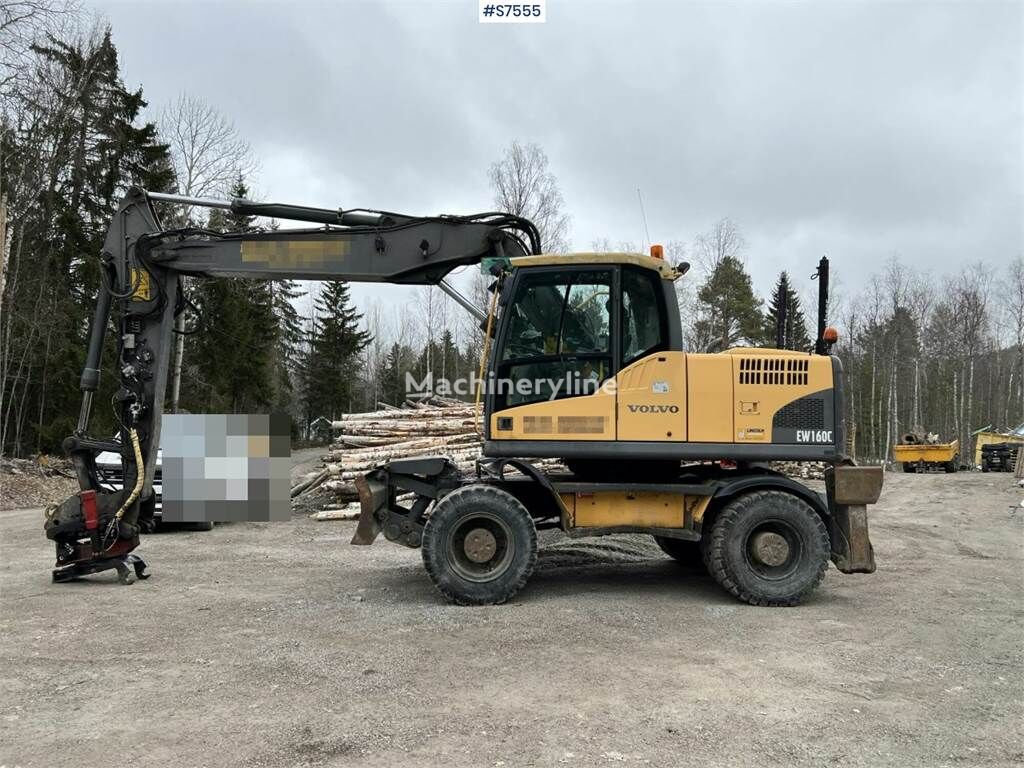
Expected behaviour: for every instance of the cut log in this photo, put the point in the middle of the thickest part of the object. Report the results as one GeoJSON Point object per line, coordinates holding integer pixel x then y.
{"type": "Point", "coordinates": [347, 512]}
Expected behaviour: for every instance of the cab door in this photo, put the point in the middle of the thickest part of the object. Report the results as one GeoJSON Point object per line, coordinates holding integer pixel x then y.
{"type": "Point", "coordinates": [651, 385]}
{"type": "Point", "coordinates": [555, 350]}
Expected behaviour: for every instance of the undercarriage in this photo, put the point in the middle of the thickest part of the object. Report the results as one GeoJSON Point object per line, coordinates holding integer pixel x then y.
{"type": "Point", "coordinates": [765, 537]}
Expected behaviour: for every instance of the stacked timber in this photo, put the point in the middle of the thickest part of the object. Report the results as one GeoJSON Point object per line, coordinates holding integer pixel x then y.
{"type": "Point", "coordinates": [364, 441]}
{"type": "Point", "coordinates": [805, 470]}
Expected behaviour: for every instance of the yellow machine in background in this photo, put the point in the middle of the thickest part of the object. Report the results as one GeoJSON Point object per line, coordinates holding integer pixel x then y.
{"type": "Point", "coordinates": [987, 437]}
{"type": "Point", "coordinates": [921, 457]}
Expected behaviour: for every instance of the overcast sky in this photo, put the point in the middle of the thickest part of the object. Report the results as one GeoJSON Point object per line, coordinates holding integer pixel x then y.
{"type": "Point", "coordinates": [859, 130]}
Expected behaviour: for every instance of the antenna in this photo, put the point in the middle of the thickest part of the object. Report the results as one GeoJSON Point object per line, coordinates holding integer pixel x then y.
{"type": "Point", "coordinates": [643, 215]}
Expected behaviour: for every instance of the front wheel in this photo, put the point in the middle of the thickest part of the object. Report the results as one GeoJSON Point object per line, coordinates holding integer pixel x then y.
{"type": "Point", "coordinates": [768, 548]}
{"type": "Point", "coordinates": [479, 545]}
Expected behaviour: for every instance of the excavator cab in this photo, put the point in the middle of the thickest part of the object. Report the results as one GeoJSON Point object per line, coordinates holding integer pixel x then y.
{"type": "Point", "coordinates": [569, 326]}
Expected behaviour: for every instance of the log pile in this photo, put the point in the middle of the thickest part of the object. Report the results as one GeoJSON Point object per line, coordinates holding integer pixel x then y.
{"type": "Point", "coordinates": [364, 441]}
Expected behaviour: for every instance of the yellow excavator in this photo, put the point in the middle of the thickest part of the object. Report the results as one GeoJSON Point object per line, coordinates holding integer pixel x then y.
{"type": "Point", "coordinates": [584, 361]}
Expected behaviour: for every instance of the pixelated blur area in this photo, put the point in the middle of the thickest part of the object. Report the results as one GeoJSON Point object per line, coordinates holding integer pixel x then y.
{"type": "Point", "coordinates": [226, 467]}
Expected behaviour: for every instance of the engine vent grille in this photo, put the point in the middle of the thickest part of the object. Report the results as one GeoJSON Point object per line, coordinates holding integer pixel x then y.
{"type": "Point", "coordinates": [774, 370]}
{"type": "Point", "coordinates": [805, 413]}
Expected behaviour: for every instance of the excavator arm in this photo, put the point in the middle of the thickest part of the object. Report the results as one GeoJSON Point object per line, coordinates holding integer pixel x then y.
{"type": "Point", "coordinates": [141, 267]}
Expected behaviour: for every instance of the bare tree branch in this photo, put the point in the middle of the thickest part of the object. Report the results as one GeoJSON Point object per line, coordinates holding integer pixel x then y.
{"type": "Point", "coordinates": [208, 153]}
{"type": "Point", "coordinates": [524, 186]}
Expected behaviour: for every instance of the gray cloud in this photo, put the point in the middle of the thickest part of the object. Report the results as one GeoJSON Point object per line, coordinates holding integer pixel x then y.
{"type": "Point", "coordinates": [854, 129]}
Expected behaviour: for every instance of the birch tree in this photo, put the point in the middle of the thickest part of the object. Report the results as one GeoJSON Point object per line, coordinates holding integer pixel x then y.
{"type": "Point", "coordinates": [1013, 304]}
{"type": "Point", "coordinates": [209, 157]}
{"type": "Point", "coordinates": [524, 185]}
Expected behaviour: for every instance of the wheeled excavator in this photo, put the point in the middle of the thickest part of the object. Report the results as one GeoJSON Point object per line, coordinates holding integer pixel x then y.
{"type": "Point", "coordinates": [664, 442]}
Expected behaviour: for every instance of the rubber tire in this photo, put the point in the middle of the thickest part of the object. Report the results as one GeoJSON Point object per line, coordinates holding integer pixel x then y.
{"type": "Point", "coordinates": [909, 468]}
{"type": "Point", "coordinates": [724, 557]}
{"type": "Point", "coordinates": [950, 467]}
{"type": "Point", "coordinates": [452, 510]}
{"type": "Point", "coordinates": [205, 525]}
{"type": "Point", "coordinates": [688, 554]}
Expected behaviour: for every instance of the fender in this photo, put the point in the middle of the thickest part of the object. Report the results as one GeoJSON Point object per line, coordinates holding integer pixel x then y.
{"type": "Point", "coordinates": [769, 479]}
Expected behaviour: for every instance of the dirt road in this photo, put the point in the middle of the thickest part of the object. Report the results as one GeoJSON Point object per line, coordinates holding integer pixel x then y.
{"type": "Point", "coordinates": [281, 645]}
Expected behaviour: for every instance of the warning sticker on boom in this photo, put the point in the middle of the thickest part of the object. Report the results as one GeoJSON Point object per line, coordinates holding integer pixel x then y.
{"type": "Point", "coordinates": [143, 290]}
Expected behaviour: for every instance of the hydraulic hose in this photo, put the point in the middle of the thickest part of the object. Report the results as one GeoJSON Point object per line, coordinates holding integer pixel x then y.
{"type": "Point", "coordinates": [140, 476]}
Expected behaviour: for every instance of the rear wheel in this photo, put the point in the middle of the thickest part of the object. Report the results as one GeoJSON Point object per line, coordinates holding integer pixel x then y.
{"type": "Point", "coordinates": [687, 553]}
{"type": "Point", "coordinates": [950, 467]}
{"type": "Point", "coordinates": [479, 545]}
{"type": "Point", "coordinates": [909, 468]}
{"type": "Point", "coordinates": [768, 548]}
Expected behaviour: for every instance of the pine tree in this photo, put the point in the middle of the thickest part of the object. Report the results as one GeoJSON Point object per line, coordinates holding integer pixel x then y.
{"type": "Point", "coordinates": [331, 366]}
{"type": "Point", "coordinates": [730, 312]}
{"type": "Point", "coordinates": [795, 333]}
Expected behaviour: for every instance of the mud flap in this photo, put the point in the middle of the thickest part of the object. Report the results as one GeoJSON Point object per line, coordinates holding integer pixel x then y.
{"type": "Point", "coordinates": [850, 489]}
{"type": "Point", "coordinates": [373, 501]}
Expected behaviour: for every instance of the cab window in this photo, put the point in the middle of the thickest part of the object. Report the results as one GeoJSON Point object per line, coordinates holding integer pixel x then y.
{"type": "Point", "coordinates": [558, 341]}
{"type": "Point", "coordinates": [643, 325]}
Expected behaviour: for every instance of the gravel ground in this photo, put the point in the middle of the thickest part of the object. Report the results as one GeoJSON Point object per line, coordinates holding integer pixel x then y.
{"type": "Point", "coordinates": [281, 645]}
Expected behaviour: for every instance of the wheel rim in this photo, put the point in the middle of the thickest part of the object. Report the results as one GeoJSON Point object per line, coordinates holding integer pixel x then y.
{"type": "Point", "coordinates": [481, 548]}
{"type": "Point", "coordinates": [773, 549]}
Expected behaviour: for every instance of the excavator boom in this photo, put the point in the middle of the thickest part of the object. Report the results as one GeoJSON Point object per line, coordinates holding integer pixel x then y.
{"type": "Point", "coordinates": [142, 263]}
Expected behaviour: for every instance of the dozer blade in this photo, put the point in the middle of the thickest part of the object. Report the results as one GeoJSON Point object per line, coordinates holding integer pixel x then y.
{"type": "Point", "coordinates": [850, 489]}
{"type": "Point", "coordinates": [854, 553]}
{"type": "Point", "coordinates": [373, 499]}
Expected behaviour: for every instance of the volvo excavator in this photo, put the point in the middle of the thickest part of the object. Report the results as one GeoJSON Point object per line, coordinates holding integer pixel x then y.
{"type": "Point", "coordinates": [589, 348]}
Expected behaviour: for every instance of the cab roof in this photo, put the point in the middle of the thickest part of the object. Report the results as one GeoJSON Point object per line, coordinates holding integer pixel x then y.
{"type": "Point", "coordinates": [662, 267]}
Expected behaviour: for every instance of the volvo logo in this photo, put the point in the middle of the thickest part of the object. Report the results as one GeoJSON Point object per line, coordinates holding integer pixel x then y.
{"type": "Point", "coordinates": [654, 409]}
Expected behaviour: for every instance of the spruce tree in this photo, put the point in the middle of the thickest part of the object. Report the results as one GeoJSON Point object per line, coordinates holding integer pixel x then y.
{"type": "Point", "coordinates": [390, 376]}
{"type": "Point", "coordinates": [289, 338]}
{"type": "Point", "coordinates": [795, 333]}
{"type": "Point", "coordinates": [288, 333]}
{"type": "Point", "coordinates": [231, 359]}
{"type": "Point", "coordinates": [331, 367]}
